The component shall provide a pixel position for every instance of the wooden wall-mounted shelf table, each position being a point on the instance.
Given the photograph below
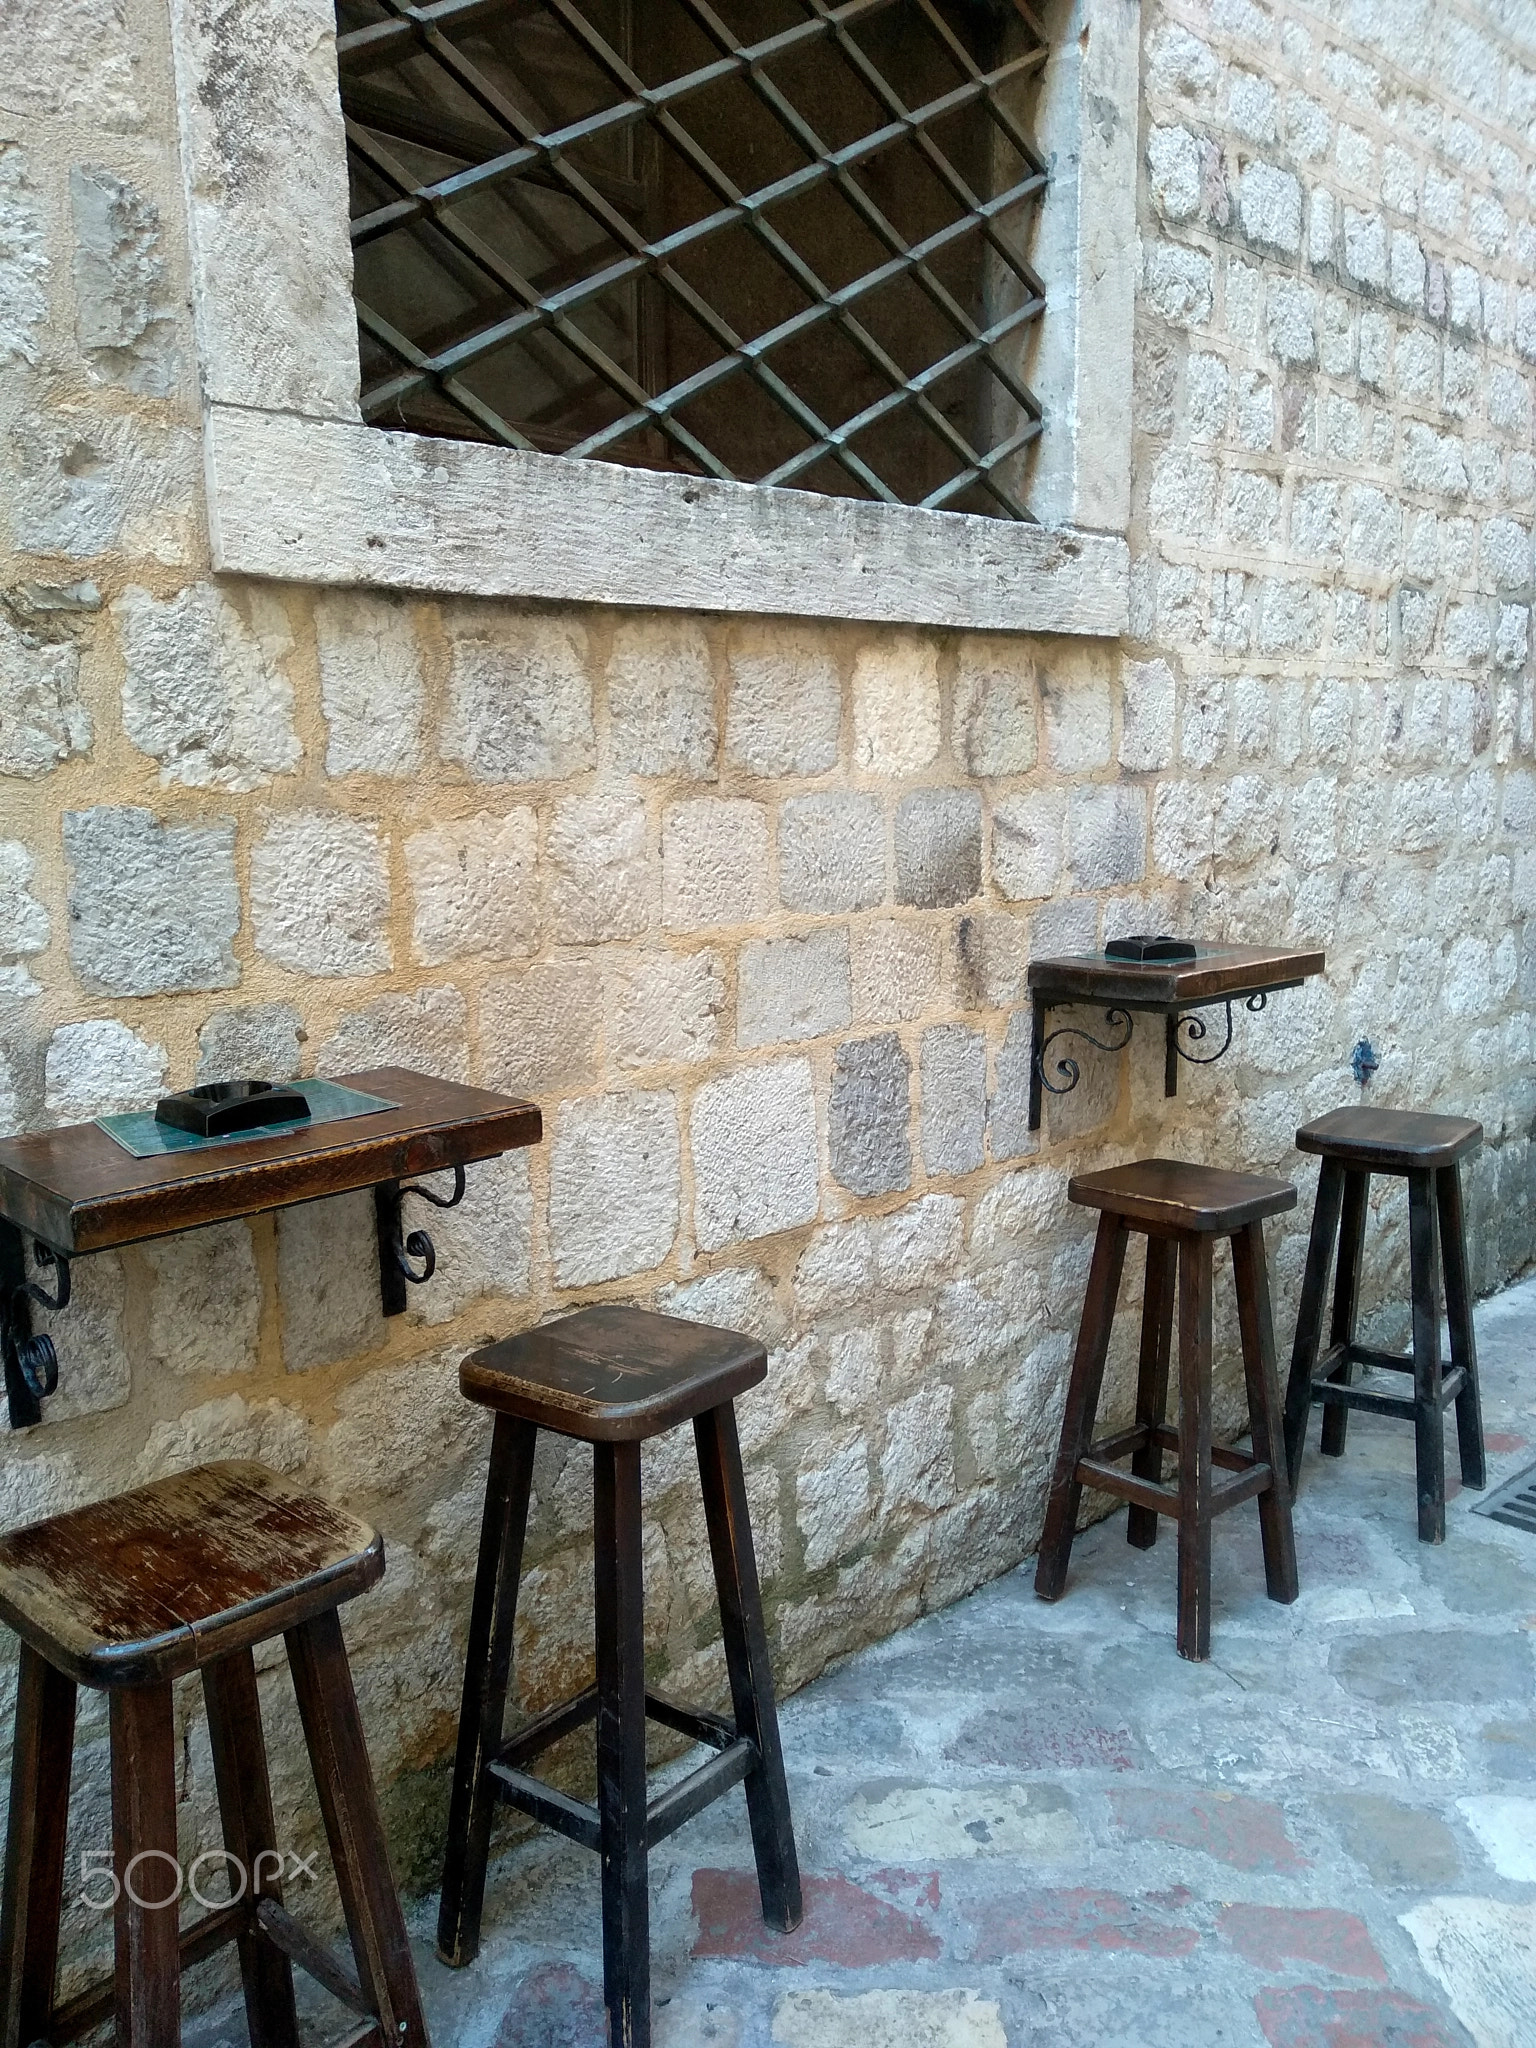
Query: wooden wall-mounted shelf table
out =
(1172, 989)
(75, 1190)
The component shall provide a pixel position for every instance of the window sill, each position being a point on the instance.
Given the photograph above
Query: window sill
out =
(332, 502)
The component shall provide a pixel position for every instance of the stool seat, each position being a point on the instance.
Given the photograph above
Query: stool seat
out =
(613, 1375)
(1391, 1140)
(156, 1583)
(1175, 1195)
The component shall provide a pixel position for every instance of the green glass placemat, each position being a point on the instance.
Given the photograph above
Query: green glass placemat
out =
(329, 1103)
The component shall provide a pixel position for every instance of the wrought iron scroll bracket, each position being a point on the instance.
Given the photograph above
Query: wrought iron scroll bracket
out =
(1194, 1026)
(31, 1363)
(406, 1256)
(1067, 1067)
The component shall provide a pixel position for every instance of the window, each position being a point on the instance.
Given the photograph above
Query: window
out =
(778, 242)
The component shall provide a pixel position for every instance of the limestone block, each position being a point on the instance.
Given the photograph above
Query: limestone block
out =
(42, 718)
(1252, 507)
(1505, 554)
(1365, 248)
(483, 1245)
(992, 955)
(427, 1030)
(1182, 830)
(328, 1281)
(32, 1488)
(1247, 819)
(786, 705)
(258, 1042)
(1207, 392)
(599, 880)
(1146, 732)
(832, 1503)
(1009, 1109)
(917, 1468)
(952, 1069)
(734, 1298)
(1290, 311)
(753, 1141)
(996, 707)
(662, 1007)
(938, 847)
(124, 313)
(24, 923)
(320, 894)
(100, 1068)
(368, 1457)
(1182, 496)
(24, 265)
(95, 1372)
(832, 851)
(372, 690)
(615, 1181)
(204, 692)
(793, 988)
(85, 479)
(661, 699)
(1108, 835)
(474, 887)
(1308, 129)
(519, 697)
(714, 863)
(1177, 283)
(1181, 66)
(231, 1427)
(895, 969)
(1028, 841)
(205, 1303)
(1078, 713)
(896, 706)
(869, 1119)
(538, 1028)
(1269, 202)
(1289, 616)
(152, 907)
(1173, 164)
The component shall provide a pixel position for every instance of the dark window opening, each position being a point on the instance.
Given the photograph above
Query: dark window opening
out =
(775, 241)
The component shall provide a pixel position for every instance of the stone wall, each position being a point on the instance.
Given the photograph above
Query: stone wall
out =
(746, 904)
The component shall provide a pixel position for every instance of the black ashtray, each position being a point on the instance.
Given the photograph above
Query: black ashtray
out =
(1142, 946)
(219, 1108)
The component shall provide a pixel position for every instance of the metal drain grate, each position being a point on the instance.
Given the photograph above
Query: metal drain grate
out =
(1514, 1502)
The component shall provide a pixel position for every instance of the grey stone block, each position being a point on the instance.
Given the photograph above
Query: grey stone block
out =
(661, 699)
(25, 926)
(938, 847)
(538, 1029)
(474, 887)
(1011, 1136)
(753, 1140)
(952, 1067)
(793, 988)
(320, 894)
(786, 707)
(519, 698)
(600, 886)
(832, 851)
(99, 1068)
(152, 907)
(371, 686)
(895, 969)
(1070, 926)
(991, 961)
(427, 1030)
(258, 1042)
(1108, 835)
(123, 308)
(870, 1117)
(615, 1182)
(714, 863)
(43, 719)
(996, 707)
(1028, 831)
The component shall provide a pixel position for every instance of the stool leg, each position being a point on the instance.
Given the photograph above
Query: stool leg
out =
(1256, 1324)
(1082, 1405)
(487, 1672)
(146, 1938)
(1428, 1419)
(349, 1806)
(621, 1743)
(1152, 1382)
(746, 1657)
(250, 1836)
(1346, 1298)
(1309, 1316)
(1458, 1313)
(33, 1896)
(1195, 1447)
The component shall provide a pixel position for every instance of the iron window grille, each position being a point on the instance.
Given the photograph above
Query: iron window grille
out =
(770, 241)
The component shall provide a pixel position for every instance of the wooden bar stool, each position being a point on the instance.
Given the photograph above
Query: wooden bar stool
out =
(190, 1574)
(613, 1377)
(1427, 1152)
(1181, 1210)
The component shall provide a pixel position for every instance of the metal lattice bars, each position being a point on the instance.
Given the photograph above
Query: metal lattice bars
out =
(583, 227)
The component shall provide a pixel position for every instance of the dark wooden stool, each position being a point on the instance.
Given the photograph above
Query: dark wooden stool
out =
(1427, 1152)
(1181, 1210)
(613, 1377)
(186, 1575)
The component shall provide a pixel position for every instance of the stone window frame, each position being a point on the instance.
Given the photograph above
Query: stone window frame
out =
(300, 490)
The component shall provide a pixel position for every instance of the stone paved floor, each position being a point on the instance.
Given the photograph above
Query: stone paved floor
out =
(1031, 1824)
